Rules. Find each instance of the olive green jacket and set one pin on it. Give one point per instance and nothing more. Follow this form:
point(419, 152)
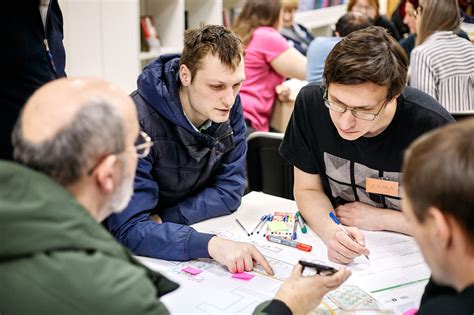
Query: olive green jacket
point(56, 259)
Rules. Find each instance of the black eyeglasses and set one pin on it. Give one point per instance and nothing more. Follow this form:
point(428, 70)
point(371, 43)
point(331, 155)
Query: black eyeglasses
point(341, 108)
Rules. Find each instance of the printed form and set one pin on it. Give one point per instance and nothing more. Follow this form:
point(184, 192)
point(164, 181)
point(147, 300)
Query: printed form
point(395, 275)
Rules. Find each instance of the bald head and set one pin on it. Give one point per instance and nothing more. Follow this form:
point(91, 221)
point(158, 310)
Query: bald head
point(55, 105)
point(70, 123)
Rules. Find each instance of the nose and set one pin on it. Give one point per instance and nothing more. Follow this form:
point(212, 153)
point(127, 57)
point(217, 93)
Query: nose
point(347, 120)
point(405, 19)
point(228, 98)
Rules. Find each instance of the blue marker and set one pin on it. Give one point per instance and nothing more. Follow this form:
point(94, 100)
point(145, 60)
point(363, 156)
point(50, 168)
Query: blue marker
point(336, 220)
point(269, 218)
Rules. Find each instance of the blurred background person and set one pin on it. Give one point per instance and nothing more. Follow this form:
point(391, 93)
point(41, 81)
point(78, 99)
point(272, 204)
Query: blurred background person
point(372, 9)
point(320, 47)
point(408, 43)
point(296, 34)
point(466, 10)
point(269, 59)
point(409, 19)
point(442, 64)
point(397, 19)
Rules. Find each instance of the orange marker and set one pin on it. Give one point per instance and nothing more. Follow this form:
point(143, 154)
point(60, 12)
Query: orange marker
point(284, 241)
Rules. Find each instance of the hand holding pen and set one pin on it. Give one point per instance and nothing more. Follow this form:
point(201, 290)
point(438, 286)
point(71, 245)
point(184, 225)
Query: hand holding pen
point(346, 243)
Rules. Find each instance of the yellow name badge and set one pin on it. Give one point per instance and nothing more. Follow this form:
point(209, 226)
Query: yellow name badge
point(381, 187)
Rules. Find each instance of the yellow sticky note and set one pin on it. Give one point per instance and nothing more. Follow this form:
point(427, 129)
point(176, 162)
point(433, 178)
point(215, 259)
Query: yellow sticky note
point(277, 226)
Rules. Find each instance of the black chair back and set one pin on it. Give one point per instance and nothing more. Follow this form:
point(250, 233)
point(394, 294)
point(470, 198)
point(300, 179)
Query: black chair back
point(267, 171)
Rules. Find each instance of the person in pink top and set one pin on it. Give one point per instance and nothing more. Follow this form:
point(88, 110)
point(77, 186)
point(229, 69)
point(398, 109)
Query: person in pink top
point(269, 59)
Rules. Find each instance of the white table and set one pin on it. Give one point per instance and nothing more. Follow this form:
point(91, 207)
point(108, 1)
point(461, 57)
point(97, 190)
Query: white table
point(395, 275)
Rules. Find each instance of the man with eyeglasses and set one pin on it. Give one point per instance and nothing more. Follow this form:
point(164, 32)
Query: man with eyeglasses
point(75, 147)
point(77, 143)
point(346, 141)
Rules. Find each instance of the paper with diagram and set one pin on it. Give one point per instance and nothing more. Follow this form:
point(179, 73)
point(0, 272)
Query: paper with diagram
point(395, 275)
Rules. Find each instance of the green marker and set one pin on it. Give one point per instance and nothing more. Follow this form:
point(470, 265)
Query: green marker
point(301, 222)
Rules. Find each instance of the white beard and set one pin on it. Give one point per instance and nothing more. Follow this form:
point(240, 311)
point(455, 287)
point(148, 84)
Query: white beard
point(121, 196)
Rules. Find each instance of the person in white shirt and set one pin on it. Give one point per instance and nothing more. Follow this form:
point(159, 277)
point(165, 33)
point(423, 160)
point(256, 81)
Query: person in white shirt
point(442, 64)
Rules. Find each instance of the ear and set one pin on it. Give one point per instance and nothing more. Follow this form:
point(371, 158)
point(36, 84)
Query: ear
point(443, 227)
point(395, 98)
point(185, 75)
point(337, 34)
point(104, 174)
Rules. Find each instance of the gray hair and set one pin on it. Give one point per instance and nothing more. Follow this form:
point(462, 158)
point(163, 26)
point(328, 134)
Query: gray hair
point(96, 130)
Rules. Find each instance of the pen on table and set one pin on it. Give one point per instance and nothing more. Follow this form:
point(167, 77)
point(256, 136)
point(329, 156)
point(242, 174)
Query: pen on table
point(294, 236)
point(284, 241)
point(301, 222)
point(269, 218)
point(262, 219)
point(240, 224)
point(336, 220)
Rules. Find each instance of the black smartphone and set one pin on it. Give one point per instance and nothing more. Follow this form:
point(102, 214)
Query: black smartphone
point(320, 269)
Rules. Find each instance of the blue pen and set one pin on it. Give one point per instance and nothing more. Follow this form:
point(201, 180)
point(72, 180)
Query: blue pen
point(262, 219)
point(269, 218)
point(336, 220)
point(294, 232)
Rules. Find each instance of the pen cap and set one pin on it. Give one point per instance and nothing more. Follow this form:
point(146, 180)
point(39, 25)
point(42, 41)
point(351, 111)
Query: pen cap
point(300, 219)
point(304, 247)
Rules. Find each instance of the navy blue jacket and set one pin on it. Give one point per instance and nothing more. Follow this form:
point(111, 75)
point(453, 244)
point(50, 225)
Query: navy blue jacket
point(25, 63)
point(189, 176)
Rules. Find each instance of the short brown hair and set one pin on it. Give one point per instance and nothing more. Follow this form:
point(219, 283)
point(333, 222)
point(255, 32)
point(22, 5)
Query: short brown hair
point(368, 55)
point(256, 13)
point(437, 16)
point(351, 22)
point(289, 4)
point(214, 39)
point(373, 3)
point(439, 171)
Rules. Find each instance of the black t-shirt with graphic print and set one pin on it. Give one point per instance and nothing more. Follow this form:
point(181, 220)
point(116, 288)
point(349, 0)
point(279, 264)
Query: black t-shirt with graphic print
point(313, 145)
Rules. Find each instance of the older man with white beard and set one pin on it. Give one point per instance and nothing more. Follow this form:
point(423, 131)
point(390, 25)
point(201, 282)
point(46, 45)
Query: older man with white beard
point(77, 143)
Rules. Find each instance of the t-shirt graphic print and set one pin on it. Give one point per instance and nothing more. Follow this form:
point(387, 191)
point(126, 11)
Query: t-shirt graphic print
point(347, 182)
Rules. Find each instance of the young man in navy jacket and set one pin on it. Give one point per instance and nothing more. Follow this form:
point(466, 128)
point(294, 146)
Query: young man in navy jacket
point(190, 107)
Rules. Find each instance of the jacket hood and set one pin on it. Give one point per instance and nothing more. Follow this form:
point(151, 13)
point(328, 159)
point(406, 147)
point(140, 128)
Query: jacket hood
point(38, 215)
point(159, 84)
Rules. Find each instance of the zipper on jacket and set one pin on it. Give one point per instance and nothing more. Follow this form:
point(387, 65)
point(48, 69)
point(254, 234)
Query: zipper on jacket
point(225, 136)
point(50, 56)
point(45, 40)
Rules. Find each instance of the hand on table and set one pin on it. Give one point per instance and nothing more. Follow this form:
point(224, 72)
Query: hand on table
point(360, 215)
point(342, 249)
point(303, 293)
point(236, 256)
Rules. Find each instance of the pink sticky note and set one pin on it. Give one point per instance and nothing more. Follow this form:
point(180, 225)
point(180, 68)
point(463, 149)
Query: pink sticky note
point(411, 311)
point(191, 270)
point(242, 276)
